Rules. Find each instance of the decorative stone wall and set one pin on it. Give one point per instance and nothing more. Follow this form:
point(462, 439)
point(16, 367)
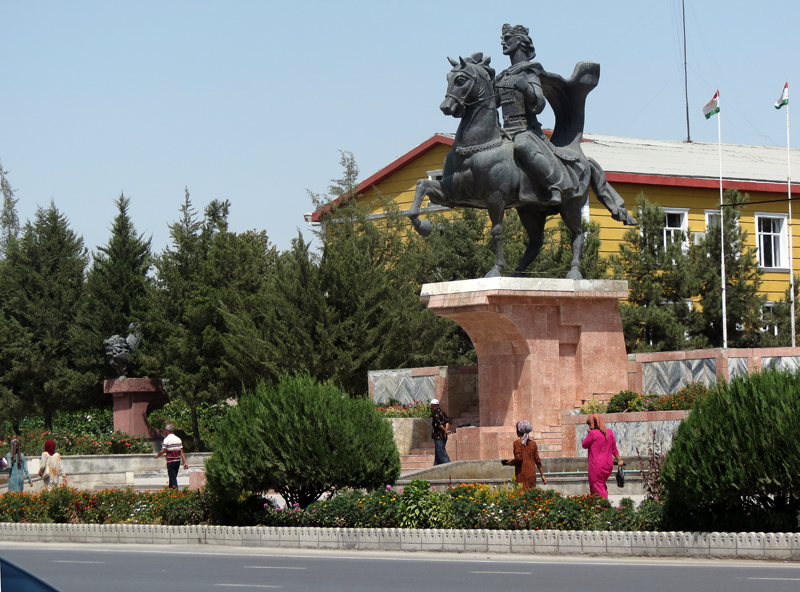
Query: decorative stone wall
point(667, 372)
point(401, 385)
point(456, 387)
point(633, 431)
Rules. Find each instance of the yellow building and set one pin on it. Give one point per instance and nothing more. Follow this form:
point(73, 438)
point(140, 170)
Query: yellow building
point(682, 177)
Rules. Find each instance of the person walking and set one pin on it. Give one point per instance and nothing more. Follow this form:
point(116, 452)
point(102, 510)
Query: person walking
point(440, 425)
point(602, 447)
point(526, 457)
point(19, 468)
point(173, 448)
point(50, 469)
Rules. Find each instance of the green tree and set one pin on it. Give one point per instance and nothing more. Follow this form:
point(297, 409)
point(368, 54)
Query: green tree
point(733, 461)
point(116, 289)
point(9, 220)
point(207, 277)
point(301, 438)
point(743, 282)
point(660, 282)
point(777, 320)
point(40, 295)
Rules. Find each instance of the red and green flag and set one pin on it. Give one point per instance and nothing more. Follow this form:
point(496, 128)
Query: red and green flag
point(784, 100)
point(712, 107)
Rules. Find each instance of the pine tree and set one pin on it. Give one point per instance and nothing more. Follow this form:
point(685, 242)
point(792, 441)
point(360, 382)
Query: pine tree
point(9, 220)
point(116, 289)
point(205, 277)
point(743, 282)
point(660, 283)
point(40, 293)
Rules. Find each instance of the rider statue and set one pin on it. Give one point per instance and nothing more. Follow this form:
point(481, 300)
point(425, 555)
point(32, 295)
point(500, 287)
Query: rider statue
point(522, 97)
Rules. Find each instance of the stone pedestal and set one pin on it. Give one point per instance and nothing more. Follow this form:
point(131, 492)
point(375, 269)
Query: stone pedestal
point(134, 399)
point(543, 345)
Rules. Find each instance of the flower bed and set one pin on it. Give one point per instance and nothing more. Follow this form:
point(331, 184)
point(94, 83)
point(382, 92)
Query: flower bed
point(470, 506)
point(397, 410)
point(465, 506)
point(110, 506)
point(32, 442)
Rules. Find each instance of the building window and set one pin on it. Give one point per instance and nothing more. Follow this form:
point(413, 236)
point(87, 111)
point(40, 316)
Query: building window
point(676, 227)
point(712, 218)
point(769, 322)
point(771, 240)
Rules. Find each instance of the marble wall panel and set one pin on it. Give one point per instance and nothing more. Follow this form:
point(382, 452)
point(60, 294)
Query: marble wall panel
point(632, 436)
point(670, 376)
point(401, 386)
point(791, 363)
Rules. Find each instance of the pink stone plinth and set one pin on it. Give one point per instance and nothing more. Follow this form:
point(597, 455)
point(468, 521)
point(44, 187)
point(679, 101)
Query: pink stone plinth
point(134, 399)
point(197, 479)
point(543, 345)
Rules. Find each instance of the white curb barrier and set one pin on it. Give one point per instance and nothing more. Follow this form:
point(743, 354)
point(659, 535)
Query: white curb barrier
point(654, 544)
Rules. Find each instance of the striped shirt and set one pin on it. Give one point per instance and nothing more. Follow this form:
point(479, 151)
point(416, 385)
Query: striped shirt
point(173, 446)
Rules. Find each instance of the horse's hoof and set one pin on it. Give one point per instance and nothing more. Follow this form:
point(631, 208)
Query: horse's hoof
point(574, 274)
point(423, 227)
point(494, 272)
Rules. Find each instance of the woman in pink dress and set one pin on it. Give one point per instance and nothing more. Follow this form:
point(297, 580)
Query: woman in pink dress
point(602, 447)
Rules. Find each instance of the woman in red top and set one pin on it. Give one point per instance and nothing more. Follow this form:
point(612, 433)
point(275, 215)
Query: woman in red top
point(602, 446)
point(526, 457)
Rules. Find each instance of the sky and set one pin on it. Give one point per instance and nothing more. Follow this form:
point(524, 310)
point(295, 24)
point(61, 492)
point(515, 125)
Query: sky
point(253, 101)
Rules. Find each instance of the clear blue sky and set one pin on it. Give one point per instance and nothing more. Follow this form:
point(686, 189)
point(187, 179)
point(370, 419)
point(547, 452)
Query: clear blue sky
point(251, 101)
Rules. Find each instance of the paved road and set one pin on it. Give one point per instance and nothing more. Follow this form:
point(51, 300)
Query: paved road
point(150, 568)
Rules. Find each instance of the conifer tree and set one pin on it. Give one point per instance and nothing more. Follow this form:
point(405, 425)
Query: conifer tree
point(743, 282)
point(208, 274)
point(116, 289)
point(9, 220)
point(40, 293)
point(660, 283)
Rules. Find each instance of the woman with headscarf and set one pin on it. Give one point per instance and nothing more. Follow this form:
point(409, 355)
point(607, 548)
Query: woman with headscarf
point(526, 457)
point(19, 468)
point(50, 469)
point(602, 447)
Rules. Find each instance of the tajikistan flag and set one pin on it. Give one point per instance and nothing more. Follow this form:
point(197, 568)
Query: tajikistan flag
point(784, 100)
point(712, 107)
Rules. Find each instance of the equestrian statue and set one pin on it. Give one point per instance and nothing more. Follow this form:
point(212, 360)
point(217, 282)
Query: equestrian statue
point(517, 165)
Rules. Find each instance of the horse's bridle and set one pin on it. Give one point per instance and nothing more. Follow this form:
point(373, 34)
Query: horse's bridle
point(463, 103)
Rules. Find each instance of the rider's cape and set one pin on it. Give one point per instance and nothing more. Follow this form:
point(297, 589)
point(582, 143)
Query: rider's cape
point(567, 98)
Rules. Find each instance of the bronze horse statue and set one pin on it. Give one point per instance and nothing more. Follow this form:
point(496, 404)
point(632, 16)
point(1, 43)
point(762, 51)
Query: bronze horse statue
point(480, 171)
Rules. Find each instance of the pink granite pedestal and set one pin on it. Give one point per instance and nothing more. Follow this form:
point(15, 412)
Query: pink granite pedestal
point(543, 345)
point(134, 399)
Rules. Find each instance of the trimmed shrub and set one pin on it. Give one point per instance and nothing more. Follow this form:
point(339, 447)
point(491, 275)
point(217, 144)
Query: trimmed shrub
point(733, 462)
point(594, 406)
point(621, 402)
point(423, 507)
point(396, 409)
point(301, 438)
point(646, 402)
point(683, 399)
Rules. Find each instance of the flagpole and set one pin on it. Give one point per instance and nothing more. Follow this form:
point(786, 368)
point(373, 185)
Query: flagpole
point(791, 248)
point(722, 235)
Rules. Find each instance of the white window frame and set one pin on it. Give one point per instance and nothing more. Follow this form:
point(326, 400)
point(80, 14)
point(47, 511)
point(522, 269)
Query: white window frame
point(768, 305)
point(712, 214)
point(782, 252)
point(684, 227)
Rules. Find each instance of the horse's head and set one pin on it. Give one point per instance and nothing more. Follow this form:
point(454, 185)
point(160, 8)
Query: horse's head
point(471, 81)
